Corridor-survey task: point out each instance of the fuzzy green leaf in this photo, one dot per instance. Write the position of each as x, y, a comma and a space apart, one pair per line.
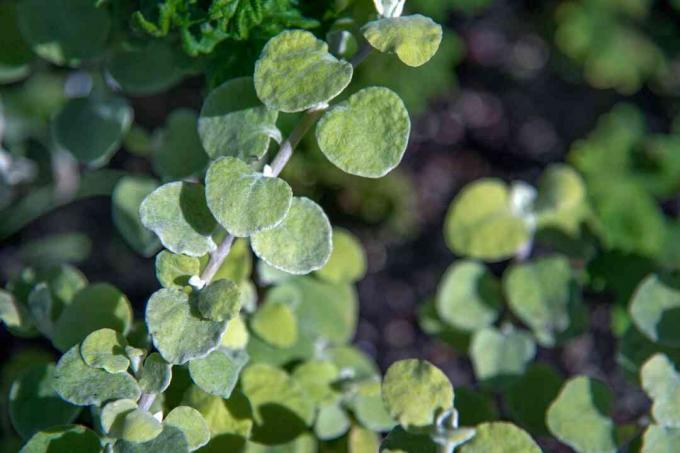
126, 198
331, 422
415, 391
177, 330
64, 439
500, 356
174, 270
661, 382
177, 212
655, 309
561, 201
500, 437
179, 153
170, 440
367, 134
659, 439
15, 316
155, 375
295, 72
347, 263
317, 378
236, 336
96, 306
105, 349
122, 419
83, 385
302, 243
469, 296
218, 372
244, 201
191, 423
579, 416
234, 122
276, 324
92, 129
220, 300
33, 403
232, 416
415, 39
369, 407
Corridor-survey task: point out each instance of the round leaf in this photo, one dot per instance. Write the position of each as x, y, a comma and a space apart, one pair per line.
331, 422
347, 263
661, 382
415, 39
220, 301
33, 403
415, 391
579, 416
105, 349
655, 307
170, 440
301, 243
177, 331
561, 201
296, 72
191, 423
317, 378
469, 296
63, 439
155, 375
367, 134
234, 122
126, 198
500, 437
83, 385
659, 439
122, 419
244, 201
218, 372
500, 356
276, 324
174, 270
96, 306
179, 153
177, 212
369, 407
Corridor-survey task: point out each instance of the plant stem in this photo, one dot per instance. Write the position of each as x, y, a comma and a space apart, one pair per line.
361, 54
217, 258
146, 400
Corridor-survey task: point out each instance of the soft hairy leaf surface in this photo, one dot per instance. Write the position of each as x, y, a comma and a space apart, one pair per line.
155, 375
480, 222
83, 385
244, 201
415, 39
659, 439
220, 300
415, 391
191, 423
500, 356
367, 134
174, 270
33, 403
295, 72
96, 306
655, 309
232, 416
347, 263
63, 439
124, 420
126, 198
500, 437
234, 122
301, 243
92, 129
177, 212
218, 372
276, 324
170, 440
469, 296
579, 416
105, 349
177, 329
661, 382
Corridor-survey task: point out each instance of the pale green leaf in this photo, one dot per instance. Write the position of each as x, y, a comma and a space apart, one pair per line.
415, 39
111, 411
655, 309
237, 266
331, 422
220, 300
218, 372
92, 129
579, 416
177, 212
661, 382
236, 336
170, 440
301, 243
500, 356
245, 201
362, 440
369, 407
126, 198
276, 324
500, 437
415, 391
33, 403
296, 72
191, 423
94, 307
561, 201
155, 375
347, 263
177, 330
317, 378
105, 349
179, 153
234, 122
659, 439
83, 385
174, 270
15, 316
63, 439
366, 135
232, 416
122, 419
469, 296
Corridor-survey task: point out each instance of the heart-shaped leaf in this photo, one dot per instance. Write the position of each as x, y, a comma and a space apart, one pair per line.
177, 212
469, 296
220, 300
105, 349
174, 270
65, 438
176, 328
296, 72
122, 419
179, 153
301, 243
579, 416
276, 324
415, 392
82, 385
155, 375
191, 423
126, 198
415, 39
367, 134
655, 308
92, 129
500, 437
218, 372
347, 263
244, 201
500, 356
661, 382
234, 122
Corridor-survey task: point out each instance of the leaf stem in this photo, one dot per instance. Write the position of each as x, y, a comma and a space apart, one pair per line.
146, 400
217, 258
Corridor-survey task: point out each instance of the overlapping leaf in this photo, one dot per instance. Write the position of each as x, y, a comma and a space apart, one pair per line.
415, 39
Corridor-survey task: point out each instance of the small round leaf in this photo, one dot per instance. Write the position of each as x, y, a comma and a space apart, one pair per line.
155, 375
659, 439
179, 152
191, 423
655, 307
661, 382
170, 440
122, 419
105, 349
174, 270
218, 372
415, 39
500, 437
500, 356
276, 324
220, 300
347, 263
126, 198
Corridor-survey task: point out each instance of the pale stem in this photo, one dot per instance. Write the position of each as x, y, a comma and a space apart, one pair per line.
146, 400
217, 258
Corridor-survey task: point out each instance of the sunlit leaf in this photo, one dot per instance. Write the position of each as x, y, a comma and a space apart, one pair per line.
236, 336
170, 440
218, 372
191, 423
122, 419
317, 378
561, 201
232, 416
415, 39
105, 349
15, 316
174, 270
661, 382
276, 324
347, 262
331, 422
500, 437
220, 300
125, 200
655, 309
500, 356
659, 439
369, 407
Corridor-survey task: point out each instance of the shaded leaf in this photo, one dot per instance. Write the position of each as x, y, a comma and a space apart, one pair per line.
105, 349
191, 423
174, 270
179, 152
63, 439
126, 198
170, 440
500, 437
122, 419
655, 309
415, 39
155, 375
218, 372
